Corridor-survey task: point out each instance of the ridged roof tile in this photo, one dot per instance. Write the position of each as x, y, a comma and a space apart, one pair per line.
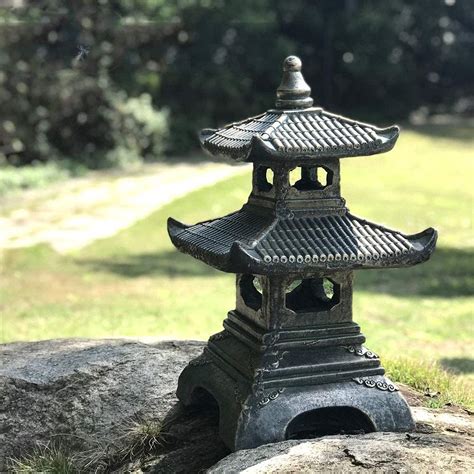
312, 132
333, 241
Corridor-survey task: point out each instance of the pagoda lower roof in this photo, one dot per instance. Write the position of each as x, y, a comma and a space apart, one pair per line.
298, 134
250, 242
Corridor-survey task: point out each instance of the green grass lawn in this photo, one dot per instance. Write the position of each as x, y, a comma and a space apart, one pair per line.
136, 284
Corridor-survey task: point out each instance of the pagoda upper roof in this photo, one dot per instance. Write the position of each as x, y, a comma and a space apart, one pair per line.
295, 130
248, 241
300, 134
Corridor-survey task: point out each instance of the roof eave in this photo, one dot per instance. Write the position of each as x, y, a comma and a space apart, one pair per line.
236, 154
218, 261
260, 148
175, 227
241, 259
242, 256
426, 241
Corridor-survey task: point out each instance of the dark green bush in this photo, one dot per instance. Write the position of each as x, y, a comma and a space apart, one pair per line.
73, 74
59, 99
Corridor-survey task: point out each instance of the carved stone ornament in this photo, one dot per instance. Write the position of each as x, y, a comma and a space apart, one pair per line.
362, 351
383, 384
266, 399
290, 362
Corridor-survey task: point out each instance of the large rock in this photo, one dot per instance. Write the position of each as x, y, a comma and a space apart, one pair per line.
374, 452
89, 396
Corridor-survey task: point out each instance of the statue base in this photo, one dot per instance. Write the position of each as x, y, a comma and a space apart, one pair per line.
268, 393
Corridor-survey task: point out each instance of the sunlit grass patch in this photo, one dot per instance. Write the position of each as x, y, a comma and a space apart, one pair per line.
136, 284
439, 387
142, 437
44, 459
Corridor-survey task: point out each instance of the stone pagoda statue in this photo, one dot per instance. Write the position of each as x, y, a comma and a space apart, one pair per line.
290, 362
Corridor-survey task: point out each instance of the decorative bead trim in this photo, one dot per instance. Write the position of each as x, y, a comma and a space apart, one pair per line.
266, 399
362, 351
374, 383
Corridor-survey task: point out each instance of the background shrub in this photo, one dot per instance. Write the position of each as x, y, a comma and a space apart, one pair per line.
89, 81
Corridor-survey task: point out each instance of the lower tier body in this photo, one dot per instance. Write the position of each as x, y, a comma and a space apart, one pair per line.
275, 392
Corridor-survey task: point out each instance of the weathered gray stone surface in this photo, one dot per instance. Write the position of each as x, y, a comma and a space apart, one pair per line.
374, 452
84, 395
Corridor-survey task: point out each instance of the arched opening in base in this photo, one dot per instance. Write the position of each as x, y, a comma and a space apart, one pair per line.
204, 406
204, 398
329, 421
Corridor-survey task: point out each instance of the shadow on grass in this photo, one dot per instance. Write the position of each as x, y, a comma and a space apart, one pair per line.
451, 131
460, 365
170, 263
449, 272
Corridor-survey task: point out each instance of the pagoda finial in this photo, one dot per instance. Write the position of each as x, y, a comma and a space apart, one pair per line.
293, 92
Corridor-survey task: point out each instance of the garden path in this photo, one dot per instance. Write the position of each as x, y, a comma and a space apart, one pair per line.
74, 213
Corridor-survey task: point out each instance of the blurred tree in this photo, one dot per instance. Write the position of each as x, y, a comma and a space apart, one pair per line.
224, 63
71, 73
63, 91
377, 60
402, 54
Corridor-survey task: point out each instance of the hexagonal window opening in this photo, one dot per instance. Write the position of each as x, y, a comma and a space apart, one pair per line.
251, 291
311, 178
264, 179
312, 295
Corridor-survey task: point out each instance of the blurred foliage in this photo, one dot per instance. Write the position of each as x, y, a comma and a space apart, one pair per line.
27, 177
59, 97
89, 80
